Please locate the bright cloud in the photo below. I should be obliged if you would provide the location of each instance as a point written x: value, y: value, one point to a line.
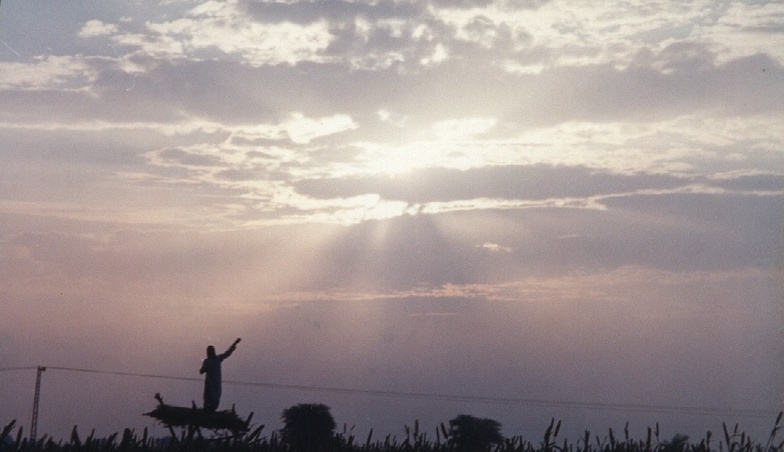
x: 494, y: 248
x: 458, y: 129
x: 95, y: 27
x: 303, y: 130
x: 48, y: 72
x: 224, y: 27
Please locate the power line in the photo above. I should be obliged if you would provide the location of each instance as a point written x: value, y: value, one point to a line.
x: 126, y: 374
x: 543, y: 403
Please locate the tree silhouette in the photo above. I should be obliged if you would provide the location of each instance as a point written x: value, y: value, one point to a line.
x: 469, y: 433
x: 308, y: 427
x: 678, y: 442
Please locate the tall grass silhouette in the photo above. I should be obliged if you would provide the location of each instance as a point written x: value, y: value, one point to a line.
x: 12, y: 439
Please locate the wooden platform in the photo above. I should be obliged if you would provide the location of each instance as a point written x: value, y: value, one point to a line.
x: 177, y: 416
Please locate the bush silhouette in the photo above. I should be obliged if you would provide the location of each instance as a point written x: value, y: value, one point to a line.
x: 308, y: 427
x: 678, y: 442
x: 469, y: 433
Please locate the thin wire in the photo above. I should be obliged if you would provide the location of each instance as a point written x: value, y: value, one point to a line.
x: 4, y: 369
x: 125, y: 374
x: 669, y: 409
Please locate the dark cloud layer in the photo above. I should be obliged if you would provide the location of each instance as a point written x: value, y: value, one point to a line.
x: 533, y: 182
x: 340, y: 10
x: 237, y: 93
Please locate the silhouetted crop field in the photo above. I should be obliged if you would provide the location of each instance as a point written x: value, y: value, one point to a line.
x: 730, y: 439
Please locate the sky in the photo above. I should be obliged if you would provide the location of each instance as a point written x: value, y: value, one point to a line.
x: 573, y: 206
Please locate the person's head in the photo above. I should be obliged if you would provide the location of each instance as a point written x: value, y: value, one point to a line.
x: 210, y: 351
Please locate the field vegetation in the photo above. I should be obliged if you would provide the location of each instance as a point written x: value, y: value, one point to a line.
x: 310, y: 428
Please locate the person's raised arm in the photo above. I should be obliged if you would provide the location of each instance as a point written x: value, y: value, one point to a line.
x: 231, y: 349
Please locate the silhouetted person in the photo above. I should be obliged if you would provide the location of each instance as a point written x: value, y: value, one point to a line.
x: 212, y: 382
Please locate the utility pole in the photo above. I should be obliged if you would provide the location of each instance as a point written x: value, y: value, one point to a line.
x: 34, y: 421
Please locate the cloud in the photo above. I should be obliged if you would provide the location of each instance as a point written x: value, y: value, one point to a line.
x: 457, y: 129
x: 303, y: 130
x: 180, y: 157
x: 337, y: 11
x: 759, y: 182
x: 95, y: 27
x: 534, y: 182
x: 48, y: 72
x: 494, y: 248
x: 744, y: 28
x: 235, y: 92
x: 222, y: 26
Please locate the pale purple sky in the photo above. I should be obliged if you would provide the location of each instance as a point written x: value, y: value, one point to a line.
x: 561, y: 201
